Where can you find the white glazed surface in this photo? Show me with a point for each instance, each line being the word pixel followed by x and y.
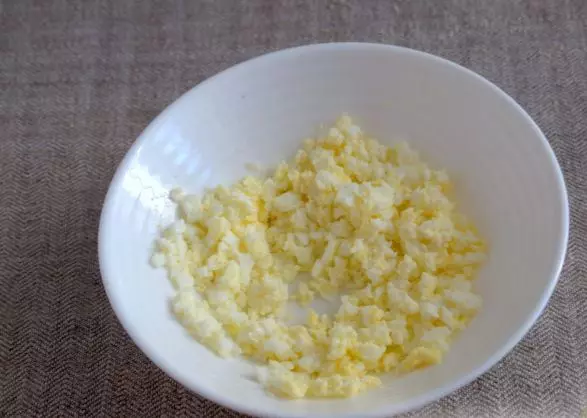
pixel 506 176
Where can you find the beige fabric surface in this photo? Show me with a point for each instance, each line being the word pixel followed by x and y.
pixel 81 79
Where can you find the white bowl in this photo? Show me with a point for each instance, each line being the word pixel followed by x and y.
pixel 506 176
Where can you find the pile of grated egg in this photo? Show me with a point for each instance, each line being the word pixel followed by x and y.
pixel 355 218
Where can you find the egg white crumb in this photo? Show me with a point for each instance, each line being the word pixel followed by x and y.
pixel 370 222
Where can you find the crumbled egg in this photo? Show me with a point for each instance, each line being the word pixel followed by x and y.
pixel 359 219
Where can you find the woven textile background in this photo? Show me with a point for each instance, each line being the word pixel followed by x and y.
pixel 81 79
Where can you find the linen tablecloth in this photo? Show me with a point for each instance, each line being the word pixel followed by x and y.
pixel 81 79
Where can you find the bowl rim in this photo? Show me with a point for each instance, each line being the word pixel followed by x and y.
pixel 107 270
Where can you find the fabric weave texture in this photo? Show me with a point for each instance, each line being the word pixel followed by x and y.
pixel 81 79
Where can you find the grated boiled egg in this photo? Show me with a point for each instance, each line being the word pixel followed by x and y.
pixel 359 219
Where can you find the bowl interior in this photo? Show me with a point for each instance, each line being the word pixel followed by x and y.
pixel 506 177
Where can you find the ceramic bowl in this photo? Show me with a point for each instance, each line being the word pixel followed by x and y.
pixel 506 177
